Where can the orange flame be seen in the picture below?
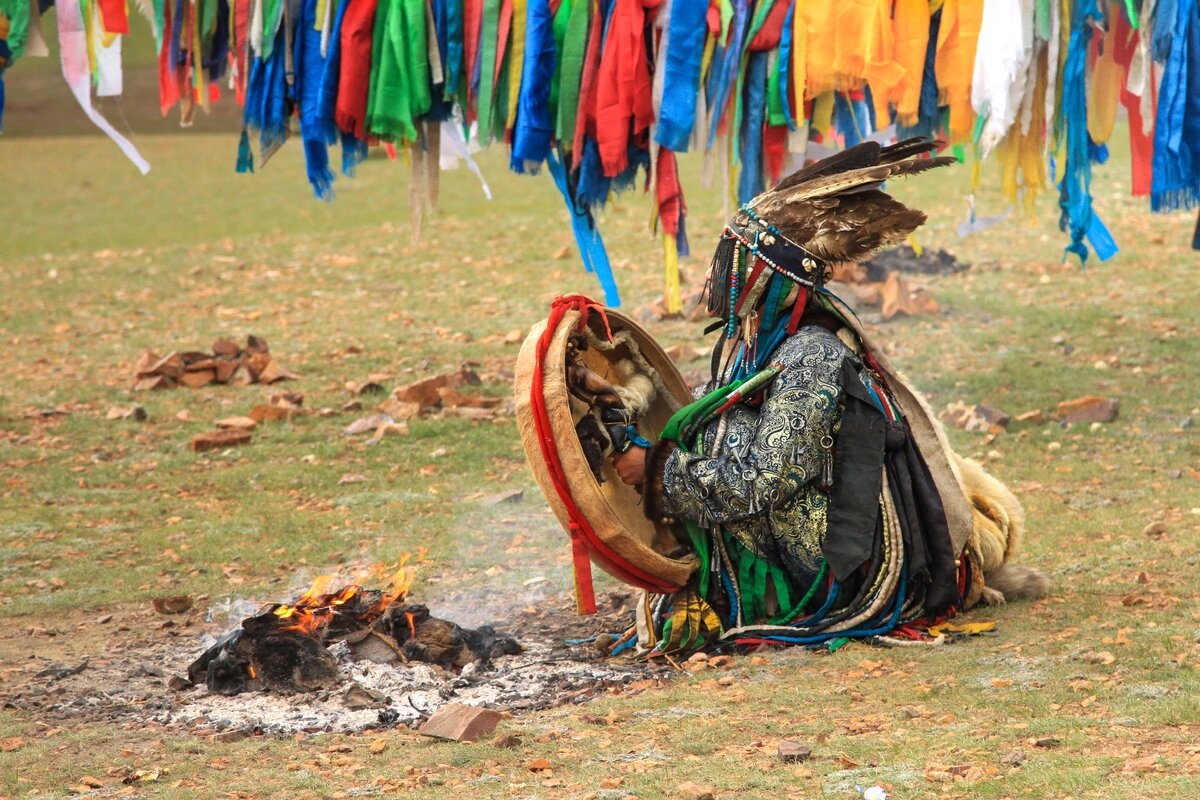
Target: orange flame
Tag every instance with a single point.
(316, 606)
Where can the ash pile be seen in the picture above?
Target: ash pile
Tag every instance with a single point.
(352, 659)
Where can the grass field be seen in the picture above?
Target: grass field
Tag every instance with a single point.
(97, 264)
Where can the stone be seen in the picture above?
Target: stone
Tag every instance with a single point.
(239, 423)
(179, 684)
(1047, 741)
(224, 347)
(423, 392)
(1014, 759)
(693, 791)
(173, 604)
(539, 765)
(256, 344)
(1155, 530)
(1035, 417)
(985, 419)
(358, 698)
(512, 496)
(460, 723)
(273, 373)
(793, 752)
(1088, 409)
(198, 378)
(506, 741)
(152, 382)
(132, 412)
(225, 369)
(720, 662)
(399, 409)
(365, 387)
(216, 440)
(268, 413)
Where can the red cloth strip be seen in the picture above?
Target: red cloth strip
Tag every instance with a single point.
(797, 310)
(354, 79)
(112, 12)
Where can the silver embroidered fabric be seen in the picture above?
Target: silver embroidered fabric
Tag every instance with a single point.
(762, 487)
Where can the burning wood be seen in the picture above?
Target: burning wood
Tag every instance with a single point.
(284, 647)
(228, 363)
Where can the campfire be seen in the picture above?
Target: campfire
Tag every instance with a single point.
(284, 648)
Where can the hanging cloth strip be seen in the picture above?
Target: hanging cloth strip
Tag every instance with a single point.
(310, 67)
(681, 64)
(534, 128)
(72, 42)
(1176, 182)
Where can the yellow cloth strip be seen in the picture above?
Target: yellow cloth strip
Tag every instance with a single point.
(671, 268)
(516, 60)
(915, 245)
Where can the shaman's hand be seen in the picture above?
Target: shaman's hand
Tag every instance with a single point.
(631, 465)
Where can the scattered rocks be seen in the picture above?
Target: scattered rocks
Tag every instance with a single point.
(227, 363)
(461, 723)
(1088, 409)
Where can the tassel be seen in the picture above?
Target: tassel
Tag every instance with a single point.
(245, 159)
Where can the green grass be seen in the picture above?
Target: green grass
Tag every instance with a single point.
(98, 264)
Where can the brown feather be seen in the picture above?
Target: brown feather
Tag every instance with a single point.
(857, 157)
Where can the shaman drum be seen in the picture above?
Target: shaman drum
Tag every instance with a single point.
(604, 518)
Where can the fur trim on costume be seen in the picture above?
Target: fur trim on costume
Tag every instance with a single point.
(652, 489)
(1018, 582)
(999, 525)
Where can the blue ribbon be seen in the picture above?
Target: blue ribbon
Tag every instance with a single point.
(686, 29)
(750, 182)
(310, 68)
(785, 58)
(587, 237)
(1176, 168)
(729, 67)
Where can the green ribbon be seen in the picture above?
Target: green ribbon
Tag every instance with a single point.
(488, 43)
(570, 65)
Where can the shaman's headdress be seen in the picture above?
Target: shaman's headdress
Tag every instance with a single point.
(829, 212)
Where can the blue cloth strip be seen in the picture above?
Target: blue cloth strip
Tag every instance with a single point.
(687, 29)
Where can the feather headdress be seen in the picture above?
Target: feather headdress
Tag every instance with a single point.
(828, 212)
